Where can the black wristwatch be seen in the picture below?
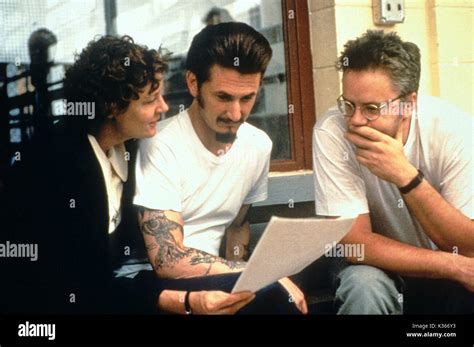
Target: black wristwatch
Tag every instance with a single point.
(413, 184)
(187, 306)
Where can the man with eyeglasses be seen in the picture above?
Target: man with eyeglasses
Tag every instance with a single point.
(403, 165)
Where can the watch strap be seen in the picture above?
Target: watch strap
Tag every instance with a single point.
(413, 184)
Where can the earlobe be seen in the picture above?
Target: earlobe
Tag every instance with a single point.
(191, 82)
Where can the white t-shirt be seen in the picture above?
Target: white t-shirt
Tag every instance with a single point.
(115, 170)
(176, 172)
(439, 144)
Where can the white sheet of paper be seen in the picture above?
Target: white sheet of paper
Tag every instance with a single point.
(287, 246)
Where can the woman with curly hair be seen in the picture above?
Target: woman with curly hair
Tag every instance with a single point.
(71, 193)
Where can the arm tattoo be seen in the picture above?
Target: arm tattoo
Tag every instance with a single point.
(159, 226)
(150, 246)
(201, 257)
(169, 252)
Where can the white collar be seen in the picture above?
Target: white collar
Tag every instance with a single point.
(115, 156)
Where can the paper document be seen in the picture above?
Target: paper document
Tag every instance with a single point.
(287, 246)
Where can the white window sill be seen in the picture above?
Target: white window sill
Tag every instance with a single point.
(289, 187)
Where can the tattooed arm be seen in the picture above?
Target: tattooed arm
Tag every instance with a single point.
(163, 235)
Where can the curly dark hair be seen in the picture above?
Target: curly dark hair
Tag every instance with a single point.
(111, 72)
(376, 49)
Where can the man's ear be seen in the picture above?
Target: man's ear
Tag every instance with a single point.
(409, 104)
(192, 82)
(113, 111)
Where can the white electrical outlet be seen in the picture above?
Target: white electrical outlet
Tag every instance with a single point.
(387, 12)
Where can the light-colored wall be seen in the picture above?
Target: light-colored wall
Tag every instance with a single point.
(442, 29)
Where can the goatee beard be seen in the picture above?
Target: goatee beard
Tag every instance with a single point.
(226, 137)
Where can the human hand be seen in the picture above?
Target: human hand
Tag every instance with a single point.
(463, 270)
(296, 295)
(382, 154)
(218, 302)
(237, 242)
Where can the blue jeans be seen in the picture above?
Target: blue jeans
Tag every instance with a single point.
(272, 299)
(364, 289)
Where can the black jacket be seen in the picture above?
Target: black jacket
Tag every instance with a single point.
(56, 197)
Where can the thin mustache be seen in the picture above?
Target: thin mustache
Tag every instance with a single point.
(227, 121)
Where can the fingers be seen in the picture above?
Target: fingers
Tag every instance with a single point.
(237, 306)
(301, 304)
(237, 297)
(367, 133)
(234, 302)
(219, 302)
(300, 301)
(365, 137)
(295, 293)
(363, 153)
(358, 140)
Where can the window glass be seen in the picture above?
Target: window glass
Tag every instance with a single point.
(174, 24)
